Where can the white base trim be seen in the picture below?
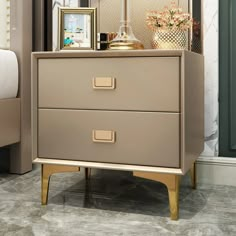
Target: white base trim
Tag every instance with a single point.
(216, 170)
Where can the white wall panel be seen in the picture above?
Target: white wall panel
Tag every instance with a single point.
(5, 24)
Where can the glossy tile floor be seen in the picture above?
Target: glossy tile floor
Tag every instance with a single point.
(111, 203)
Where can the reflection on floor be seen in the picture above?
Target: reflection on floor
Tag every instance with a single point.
(111, 203)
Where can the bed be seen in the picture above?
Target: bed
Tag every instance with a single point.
(9, 121)
(15, 119)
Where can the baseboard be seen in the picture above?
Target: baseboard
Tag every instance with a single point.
(216, 170)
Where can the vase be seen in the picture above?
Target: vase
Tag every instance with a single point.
(169, 39)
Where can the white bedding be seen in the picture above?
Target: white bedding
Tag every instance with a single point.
(8, 74)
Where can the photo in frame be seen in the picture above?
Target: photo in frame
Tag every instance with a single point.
(77, 28)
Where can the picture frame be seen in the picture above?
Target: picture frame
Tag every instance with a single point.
(77, 28)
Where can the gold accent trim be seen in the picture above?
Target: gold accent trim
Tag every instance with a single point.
(46, 172)
(103, 136)
(108, 83)
(126, 45)
(193, 175)
(109, 166)
(172, 182)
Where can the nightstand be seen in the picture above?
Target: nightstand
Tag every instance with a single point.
(139, 111)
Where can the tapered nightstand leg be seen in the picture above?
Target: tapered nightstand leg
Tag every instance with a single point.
(45, 178)
(46, 172)
(173, 191)
(172, 182)
(87, 173)
(193, 175)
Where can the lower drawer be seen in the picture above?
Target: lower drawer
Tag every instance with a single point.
(137, 138)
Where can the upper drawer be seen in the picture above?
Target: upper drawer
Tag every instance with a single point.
(142, 83)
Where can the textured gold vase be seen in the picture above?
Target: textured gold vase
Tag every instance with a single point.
(169, 39)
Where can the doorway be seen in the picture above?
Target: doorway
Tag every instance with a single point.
(227, 80)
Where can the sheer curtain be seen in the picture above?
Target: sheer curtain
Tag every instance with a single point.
(5, 24)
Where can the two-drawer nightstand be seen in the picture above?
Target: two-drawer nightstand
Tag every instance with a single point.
(139, 111)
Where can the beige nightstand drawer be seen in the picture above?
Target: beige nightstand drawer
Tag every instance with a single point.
(140, 138)
(142, 83)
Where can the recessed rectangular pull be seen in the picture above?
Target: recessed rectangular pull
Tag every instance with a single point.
(104, 83)
(104, 136)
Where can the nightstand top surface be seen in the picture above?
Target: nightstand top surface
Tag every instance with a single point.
(110, 53)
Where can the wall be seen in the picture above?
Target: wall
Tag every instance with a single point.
(211, 50)
(5, 24)
(213, 169)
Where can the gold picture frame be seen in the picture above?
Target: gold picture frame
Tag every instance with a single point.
(77, 28)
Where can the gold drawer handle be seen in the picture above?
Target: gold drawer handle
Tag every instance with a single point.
(104, 136)
(104, 83)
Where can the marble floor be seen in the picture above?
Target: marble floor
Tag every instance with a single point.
(111, 203)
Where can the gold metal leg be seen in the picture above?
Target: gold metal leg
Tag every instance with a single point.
(172, 182)
(46, 172)
(173, 191)
(87, 173)
(193, 175)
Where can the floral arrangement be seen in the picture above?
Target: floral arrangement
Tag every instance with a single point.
(171, 18)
